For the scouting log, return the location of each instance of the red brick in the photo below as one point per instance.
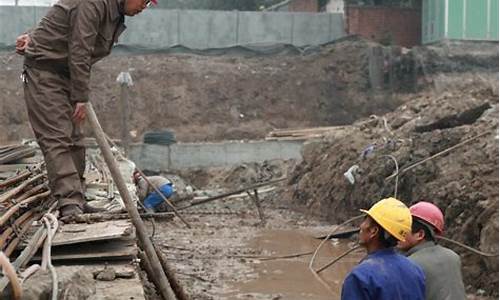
(304, 5)
(376, 22)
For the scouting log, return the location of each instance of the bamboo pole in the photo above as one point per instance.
(163, 285)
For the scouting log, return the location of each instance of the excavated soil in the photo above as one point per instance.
(463, 182)
(204, 98)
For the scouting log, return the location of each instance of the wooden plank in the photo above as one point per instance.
(305, 131)
(81, 233)
(96, 251)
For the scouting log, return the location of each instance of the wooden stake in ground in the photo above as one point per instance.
(125, 81)
(163, 284)
(256, 201)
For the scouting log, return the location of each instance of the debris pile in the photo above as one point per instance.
(439, 147)
(28, 221)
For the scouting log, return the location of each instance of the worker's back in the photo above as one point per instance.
(442, 268)
(74, 26)
(385, 275)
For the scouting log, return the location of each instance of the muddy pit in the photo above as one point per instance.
(230, 256)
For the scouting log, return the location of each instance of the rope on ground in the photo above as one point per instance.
(10, 273)
(51, 224)
(438, 154)
(313, 258)
(478, 252)
(29, 272)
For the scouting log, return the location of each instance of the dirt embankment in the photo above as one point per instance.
(205, 98)
(463, 182)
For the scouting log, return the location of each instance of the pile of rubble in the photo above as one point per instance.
(28, 223)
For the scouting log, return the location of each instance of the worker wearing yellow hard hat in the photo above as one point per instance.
(384, 274)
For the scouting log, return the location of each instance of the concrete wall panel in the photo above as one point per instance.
(310, 29)
(223, 29)
(264, 27)
(157, 29)
(193, 155)
(14, 21)
(195, 28)
(152, 29)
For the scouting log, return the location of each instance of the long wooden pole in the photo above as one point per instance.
(163, 285)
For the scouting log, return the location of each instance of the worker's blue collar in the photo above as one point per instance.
(385, 251)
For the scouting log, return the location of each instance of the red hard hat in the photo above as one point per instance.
(430, 214)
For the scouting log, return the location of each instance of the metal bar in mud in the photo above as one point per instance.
(256, 201)
(253, 187)
(337, 259)
(437, 155)
(174, 282)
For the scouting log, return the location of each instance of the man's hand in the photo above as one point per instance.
(80, 112)
(22, 42)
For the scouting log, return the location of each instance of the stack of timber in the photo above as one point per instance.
(301, 134)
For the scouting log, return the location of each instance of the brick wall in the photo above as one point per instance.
(400, 25)
(304, 5)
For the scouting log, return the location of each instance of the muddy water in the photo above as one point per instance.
(291, 278)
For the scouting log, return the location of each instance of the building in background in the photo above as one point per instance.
(388, 25)
(334, 6)
(296, 6)
(459, 20)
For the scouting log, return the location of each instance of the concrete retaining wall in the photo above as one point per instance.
(193, 155)
(199, 29)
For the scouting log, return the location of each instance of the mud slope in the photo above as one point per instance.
(213, 98)
(463, 183)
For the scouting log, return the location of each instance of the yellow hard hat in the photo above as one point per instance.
(392, 215)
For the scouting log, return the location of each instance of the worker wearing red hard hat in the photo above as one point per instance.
(442, 266)
(59, 53)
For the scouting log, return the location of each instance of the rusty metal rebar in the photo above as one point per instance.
(336, 259)
(13, 244)
(8, 231)
(33, 191)
(16, 207)
(11, 193)
(15, 179)
(239, 191)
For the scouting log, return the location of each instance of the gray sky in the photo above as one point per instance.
(28, 2)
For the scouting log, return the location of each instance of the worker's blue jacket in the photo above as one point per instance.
(385, 275)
